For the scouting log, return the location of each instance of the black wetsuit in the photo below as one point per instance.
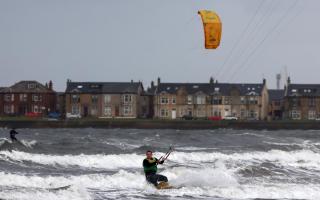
(150, 170)
(13, 134)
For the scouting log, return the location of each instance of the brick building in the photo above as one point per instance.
(27, 96)
(302, 101)
(105, 99)
(202, 100)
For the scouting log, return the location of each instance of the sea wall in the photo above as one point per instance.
(161, 124)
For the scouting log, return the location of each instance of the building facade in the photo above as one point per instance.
(105, 99)
(202, 100)
(27, 97)
(276, 104)
(302, 101)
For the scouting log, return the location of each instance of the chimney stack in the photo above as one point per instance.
(211, 80)
(278, 77)
(159, 80)
(50, 85)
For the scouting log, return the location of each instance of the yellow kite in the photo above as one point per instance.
(212, 28)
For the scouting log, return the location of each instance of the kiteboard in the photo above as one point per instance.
(164, 185)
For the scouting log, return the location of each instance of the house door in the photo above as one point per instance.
(117, 111)
(85, 111)
(173, 114)
(22, 110)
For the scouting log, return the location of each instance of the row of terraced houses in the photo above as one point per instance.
(245, 101)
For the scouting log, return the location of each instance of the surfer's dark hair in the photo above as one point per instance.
(149, 151)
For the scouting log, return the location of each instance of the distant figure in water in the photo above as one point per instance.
(150, 169)
(13, 134)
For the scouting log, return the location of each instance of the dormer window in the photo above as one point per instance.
(195, 86)
(31, 86)
(293, 90)
(94, 86)
(216, 89)
(79, 86)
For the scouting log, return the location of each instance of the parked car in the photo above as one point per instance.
(73, 116)
(215, 118)
(187, 117)
(54, 115)
(33, 114)
(230, 118)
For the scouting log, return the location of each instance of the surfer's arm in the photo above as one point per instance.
(160, 162)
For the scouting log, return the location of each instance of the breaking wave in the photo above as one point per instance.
(301, 158)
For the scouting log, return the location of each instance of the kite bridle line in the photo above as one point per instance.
(165, 156)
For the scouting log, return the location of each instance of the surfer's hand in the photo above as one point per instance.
(161, 161)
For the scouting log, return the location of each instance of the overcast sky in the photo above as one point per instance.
(120, 40)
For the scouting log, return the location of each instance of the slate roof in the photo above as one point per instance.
(303, 90)
(211, 88)
(103, 87)
(1, 88)
(275, 95)
(24, 87)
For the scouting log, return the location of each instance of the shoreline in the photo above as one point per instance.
(160, 124)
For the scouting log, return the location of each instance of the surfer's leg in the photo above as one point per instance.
(153, 179)
(162, 178)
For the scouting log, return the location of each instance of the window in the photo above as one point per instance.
(242, 100)
(164, 100)
(36, 109)
(94, 98)
(127, 98)
(75, 98)
(36, 97)
(201, 99)
(217, 113)
(217, 101)
(227, 100)
(253, 114)
(75, 109)
(295, 102)
(164, 113)
(312, 102)
(242, 113)
(107, 99)
(94, 110)
(311, 114)
(173, 100)
(8, 109)
(9, 97)
(107, 111)
(31, 85)
(127, 110)
(253, 100)
(23, 97)
(295, 114)
(190, 99)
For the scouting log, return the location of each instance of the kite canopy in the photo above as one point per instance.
(212, 28)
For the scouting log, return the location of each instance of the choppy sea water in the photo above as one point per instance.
(206, 164)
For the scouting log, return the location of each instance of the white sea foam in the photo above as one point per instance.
(87, 161)
(300, 158)
(207, 182)
(28, 144)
